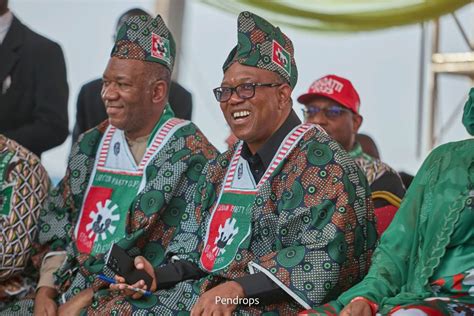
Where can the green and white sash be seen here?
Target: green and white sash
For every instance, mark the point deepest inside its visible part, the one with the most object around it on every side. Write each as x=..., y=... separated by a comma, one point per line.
x=115, y=182
x=231, y=220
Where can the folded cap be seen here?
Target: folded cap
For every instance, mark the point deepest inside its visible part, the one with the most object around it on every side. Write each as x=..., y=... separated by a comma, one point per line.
x=262, y=45
x=145, y=38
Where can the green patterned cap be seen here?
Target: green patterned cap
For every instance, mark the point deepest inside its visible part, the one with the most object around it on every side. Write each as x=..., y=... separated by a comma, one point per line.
x=143, y=38
x=262, y=45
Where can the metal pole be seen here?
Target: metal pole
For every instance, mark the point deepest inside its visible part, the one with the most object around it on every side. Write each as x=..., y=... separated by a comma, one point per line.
x=463, y=32
x=421, y=91
x=434, y=89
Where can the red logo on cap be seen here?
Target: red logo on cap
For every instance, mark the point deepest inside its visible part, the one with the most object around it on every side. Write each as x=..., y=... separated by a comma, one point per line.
x=160, y=47
x=281, y=57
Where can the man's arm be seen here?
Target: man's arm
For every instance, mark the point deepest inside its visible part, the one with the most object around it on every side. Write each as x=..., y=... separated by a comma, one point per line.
x=46, y=292
x=51, y=263
x=260, y=286
x=169, y=275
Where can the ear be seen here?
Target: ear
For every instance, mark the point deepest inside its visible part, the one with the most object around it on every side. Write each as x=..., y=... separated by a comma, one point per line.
x=284, y=96
x=159, y=91
x=356, y=122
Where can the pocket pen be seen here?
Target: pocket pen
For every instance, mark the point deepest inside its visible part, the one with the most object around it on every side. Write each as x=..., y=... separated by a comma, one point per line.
x=135, y=289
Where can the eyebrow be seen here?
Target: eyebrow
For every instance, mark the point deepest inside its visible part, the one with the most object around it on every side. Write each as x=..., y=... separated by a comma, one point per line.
x=117, y=77
x=240, y=81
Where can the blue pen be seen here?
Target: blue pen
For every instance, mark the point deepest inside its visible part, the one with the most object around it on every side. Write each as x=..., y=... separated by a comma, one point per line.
x=106, y=279
x=135, y=289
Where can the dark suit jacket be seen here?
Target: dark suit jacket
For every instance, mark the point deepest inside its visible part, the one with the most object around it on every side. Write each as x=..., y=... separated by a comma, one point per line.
x=91, y=108
x=33, y=111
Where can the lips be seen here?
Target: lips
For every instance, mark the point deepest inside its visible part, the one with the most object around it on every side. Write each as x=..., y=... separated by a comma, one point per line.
x=111, y=110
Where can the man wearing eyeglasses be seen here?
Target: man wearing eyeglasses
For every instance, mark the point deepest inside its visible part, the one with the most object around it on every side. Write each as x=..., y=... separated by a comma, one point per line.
x=285, y=220
x=333, y=103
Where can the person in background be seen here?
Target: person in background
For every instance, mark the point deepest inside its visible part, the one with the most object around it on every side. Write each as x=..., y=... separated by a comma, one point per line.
x=333, y=103
x=24, y=186
x=368, y=145
x=33, y=86
x=90, y=108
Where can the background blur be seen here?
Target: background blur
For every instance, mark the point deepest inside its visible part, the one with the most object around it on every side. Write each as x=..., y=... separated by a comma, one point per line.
x=382, y=65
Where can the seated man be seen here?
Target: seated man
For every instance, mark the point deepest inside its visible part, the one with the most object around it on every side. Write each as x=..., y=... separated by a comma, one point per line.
x=333, y=103
x=24, y=187
x=424, y=264
x=283, y=221
x=128, y=180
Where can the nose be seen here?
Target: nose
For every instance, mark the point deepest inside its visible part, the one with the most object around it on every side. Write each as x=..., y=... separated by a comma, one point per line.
x=109, y=92
x=234, y=98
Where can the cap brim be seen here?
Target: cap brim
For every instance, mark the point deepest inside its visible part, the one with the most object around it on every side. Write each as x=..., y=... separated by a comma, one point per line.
x=307, y=97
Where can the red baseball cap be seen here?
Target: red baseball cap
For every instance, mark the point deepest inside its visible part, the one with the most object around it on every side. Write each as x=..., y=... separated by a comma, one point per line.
x=336, y=88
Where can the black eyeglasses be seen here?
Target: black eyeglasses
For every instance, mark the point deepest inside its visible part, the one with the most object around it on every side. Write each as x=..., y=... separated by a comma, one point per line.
x=244, y=90
x=330, y=112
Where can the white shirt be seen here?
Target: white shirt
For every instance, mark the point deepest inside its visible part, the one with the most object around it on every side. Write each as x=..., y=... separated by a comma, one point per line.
x=5, y=22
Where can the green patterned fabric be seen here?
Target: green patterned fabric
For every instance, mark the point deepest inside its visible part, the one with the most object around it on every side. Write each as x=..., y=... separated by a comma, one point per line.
x=262, y=45
x=144, y=38
x=155, y=213
x=427, y=240
x=468, y=115
x=312, y=230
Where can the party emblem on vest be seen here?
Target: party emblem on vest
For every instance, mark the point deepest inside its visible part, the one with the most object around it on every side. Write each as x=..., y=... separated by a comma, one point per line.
x=227, y=233
x=229, y=227
x=160, y=47
x=281, y=57
x=102, y=221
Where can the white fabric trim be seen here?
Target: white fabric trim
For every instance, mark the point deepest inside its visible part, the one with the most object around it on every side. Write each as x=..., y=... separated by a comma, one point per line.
x=55, y=253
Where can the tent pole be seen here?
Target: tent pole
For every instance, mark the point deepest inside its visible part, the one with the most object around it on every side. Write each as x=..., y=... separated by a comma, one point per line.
x=421, y=90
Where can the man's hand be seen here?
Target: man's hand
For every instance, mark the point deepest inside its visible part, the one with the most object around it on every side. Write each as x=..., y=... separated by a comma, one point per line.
x=45, y=304
x=140, y=264
x=357, y=308
x=208, y=305
x=74, y=306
